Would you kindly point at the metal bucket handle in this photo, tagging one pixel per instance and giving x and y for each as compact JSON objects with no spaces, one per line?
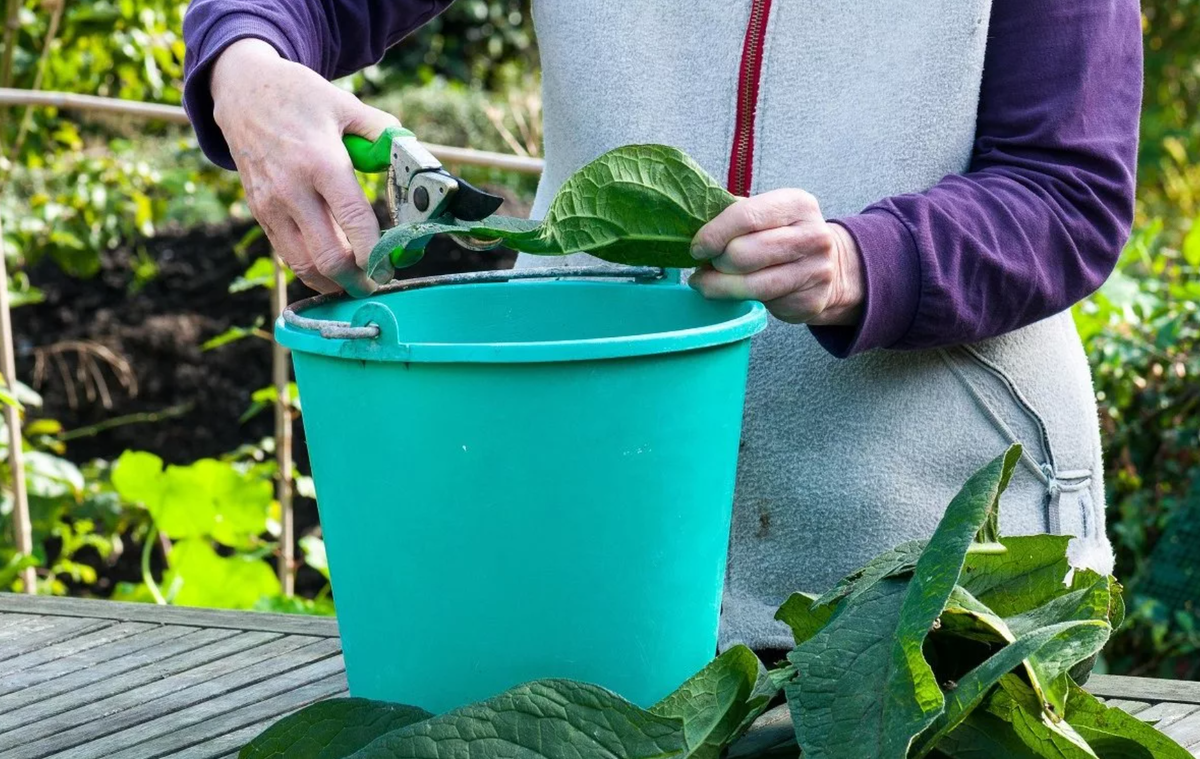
{"x":366,"y":324}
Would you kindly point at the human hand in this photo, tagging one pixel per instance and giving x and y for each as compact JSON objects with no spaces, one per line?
{"x":777,"y":248}
{"x":284,"y":125}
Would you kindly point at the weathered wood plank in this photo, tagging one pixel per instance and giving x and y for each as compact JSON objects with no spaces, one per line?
{"x":1145,"y":689}
{"x":35,"y":624}
{"x":227,"y":745}
{"x":292,"y":624}
{"x":64,"y":628}
{"x":17,"y":669}
{"x":155,"y":645}
{"x":1129,"y":707}
{"x":9,"y":620}
{"x":1167,"y":713}
{"x":172,"y":732}
{"x":1186,"y":732}
{"x":773,"y":729}
{"x":212,"y":681}
{"x":80,"y":705}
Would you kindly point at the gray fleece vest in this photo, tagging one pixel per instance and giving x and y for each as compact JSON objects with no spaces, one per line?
{"x":840,"y":459}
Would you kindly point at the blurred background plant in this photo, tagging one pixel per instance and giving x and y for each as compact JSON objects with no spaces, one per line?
{"x":189,"y":512}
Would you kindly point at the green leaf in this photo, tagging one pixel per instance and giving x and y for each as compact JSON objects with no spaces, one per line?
{"x":331,"y":729}
{"x":719,"y":702}
{"x":1043,"y":734}
{"x":635,"y":205}
{"x":314,"y":554}
{"x":547,"y":719}
{"x":48,"y":476}
{"x":206,"y":498}
{"x":897,"y":561}
{"x":801,"y":613}
{"x":1030,"y":573}
{"x":232,"y":335}
{"x":203,"y":578}
{"x":984,"y":736}
{"x":1114,"y":734}
{"x":16,"y":564}
{"x":1055,"y":645}
{"x":261,"y":273}
{"x":1191,"y":244}
{"x":864,"y":688}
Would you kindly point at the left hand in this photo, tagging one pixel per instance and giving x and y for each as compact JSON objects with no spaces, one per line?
{"x":777,"y":248}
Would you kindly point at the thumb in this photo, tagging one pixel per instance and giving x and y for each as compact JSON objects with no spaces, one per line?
{"x":359,"y":118}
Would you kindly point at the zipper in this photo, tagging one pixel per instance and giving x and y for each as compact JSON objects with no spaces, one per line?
{"x":741,"y":157}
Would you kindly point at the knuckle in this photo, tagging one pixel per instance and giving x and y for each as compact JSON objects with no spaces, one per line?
{"x":333,"y":261}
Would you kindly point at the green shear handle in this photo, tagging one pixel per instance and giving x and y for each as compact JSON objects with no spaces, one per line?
{"x":373,"y":157}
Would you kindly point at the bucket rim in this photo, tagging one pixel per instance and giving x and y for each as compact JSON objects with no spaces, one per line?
{"x":372,"y":333}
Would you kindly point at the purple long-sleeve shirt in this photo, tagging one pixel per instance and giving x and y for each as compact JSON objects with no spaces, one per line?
{"x":1035,"y":225}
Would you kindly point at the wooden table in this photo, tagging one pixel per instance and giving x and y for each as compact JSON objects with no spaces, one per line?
{"x":84,"y":679}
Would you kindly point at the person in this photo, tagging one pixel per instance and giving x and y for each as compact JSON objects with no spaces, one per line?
{"x":926,"y":188}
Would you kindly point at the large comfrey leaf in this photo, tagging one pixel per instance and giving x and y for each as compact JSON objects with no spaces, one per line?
{"x":1052,"y":646}
{"x":332,"y":729}
{"x":1042,"y":733}
{"x":718,"y":703}
{"x":894,"y":562}
{"x":546,"y":719}
{"x":637,"y":205}
{"x":1046,"y":665}
{"x":983,"y":736}
{"x":1029,"y":573}
{"x":1113,"y":734}
{"x":864,"y":688}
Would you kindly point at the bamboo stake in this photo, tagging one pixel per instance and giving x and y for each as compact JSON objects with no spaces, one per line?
{"x":175,"y":115}
{"x":56,"y":15}
{"x":11,"y":25}
{"x":283,"y":440}
{"x":12,"y":417}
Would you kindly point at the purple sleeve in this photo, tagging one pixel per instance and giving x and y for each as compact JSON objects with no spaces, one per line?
{"x":332,"y":37}
{"x":1039,"y":220}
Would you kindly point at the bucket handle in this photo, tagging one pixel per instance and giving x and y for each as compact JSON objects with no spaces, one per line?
{"x":357,"y":330}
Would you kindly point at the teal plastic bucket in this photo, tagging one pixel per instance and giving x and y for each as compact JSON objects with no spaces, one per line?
{"x":523,"y":479}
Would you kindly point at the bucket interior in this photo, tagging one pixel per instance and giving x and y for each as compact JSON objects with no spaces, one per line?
{"x":543,"y":311}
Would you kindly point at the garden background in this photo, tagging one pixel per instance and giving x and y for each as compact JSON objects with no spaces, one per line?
{"x":143,"y":303}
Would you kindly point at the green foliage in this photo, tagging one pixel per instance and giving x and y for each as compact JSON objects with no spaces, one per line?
{"x":634,"y":205}
{"x":882,"y":677}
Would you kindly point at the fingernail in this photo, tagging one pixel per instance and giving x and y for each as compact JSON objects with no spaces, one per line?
{"x":698,"y":252}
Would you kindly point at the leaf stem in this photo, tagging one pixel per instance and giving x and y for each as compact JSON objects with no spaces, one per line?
{"x":147,"y":577}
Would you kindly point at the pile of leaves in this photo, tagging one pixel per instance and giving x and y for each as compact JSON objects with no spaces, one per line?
{"x":964,"y":645}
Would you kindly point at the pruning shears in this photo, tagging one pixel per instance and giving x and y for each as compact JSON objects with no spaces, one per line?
{"x":418,"y":188}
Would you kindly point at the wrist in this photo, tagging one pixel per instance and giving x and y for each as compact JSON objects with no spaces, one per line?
{"x":235,"y":62}
{"x":849,"y":285}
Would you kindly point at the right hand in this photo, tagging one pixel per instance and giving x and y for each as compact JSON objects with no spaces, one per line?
{"x":284,"y":125}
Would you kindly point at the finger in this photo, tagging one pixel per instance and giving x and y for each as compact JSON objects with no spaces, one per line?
{"x":772,"y":247}
{"x":287,"y":241}
{"x":798,"y":279}
{"x":777,"y":208}
{"x":359,"y":118}
{"x":335,"y":182}
{"x":330,"y":250}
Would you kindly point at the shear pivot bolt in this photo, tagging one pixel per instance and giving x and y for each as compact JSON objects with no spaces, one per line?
{"x":421,"y":199}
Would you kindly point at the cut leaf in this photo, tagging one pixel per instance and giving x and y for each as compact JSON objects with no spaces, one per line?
{"x":864,"y":688}
{"x":801,"y":614}
{"x":1017,"y":705}
{"x":332,"y":729}
{"x":984,"y":736}
{"x":717,"y":704}
{"x":547,"y":719}
{"x":898,"y":561}
{"x":1114,"y":734}
{"x":1049,"y":646}
{"x":1030,"y":573}
{"x":635,"y":205}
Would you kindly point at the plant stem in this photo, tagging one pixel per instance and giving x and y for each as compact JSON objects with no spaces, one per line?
{"x":22,"y":526}
{"x":147,"y":577}
{"x":283,"y":441}
{"x":11,"y":24}
{"x":117,"y":421}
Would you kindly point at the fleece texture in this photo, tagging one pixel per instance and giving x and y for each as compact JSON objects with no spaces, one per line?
{"x":841,"y":458}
